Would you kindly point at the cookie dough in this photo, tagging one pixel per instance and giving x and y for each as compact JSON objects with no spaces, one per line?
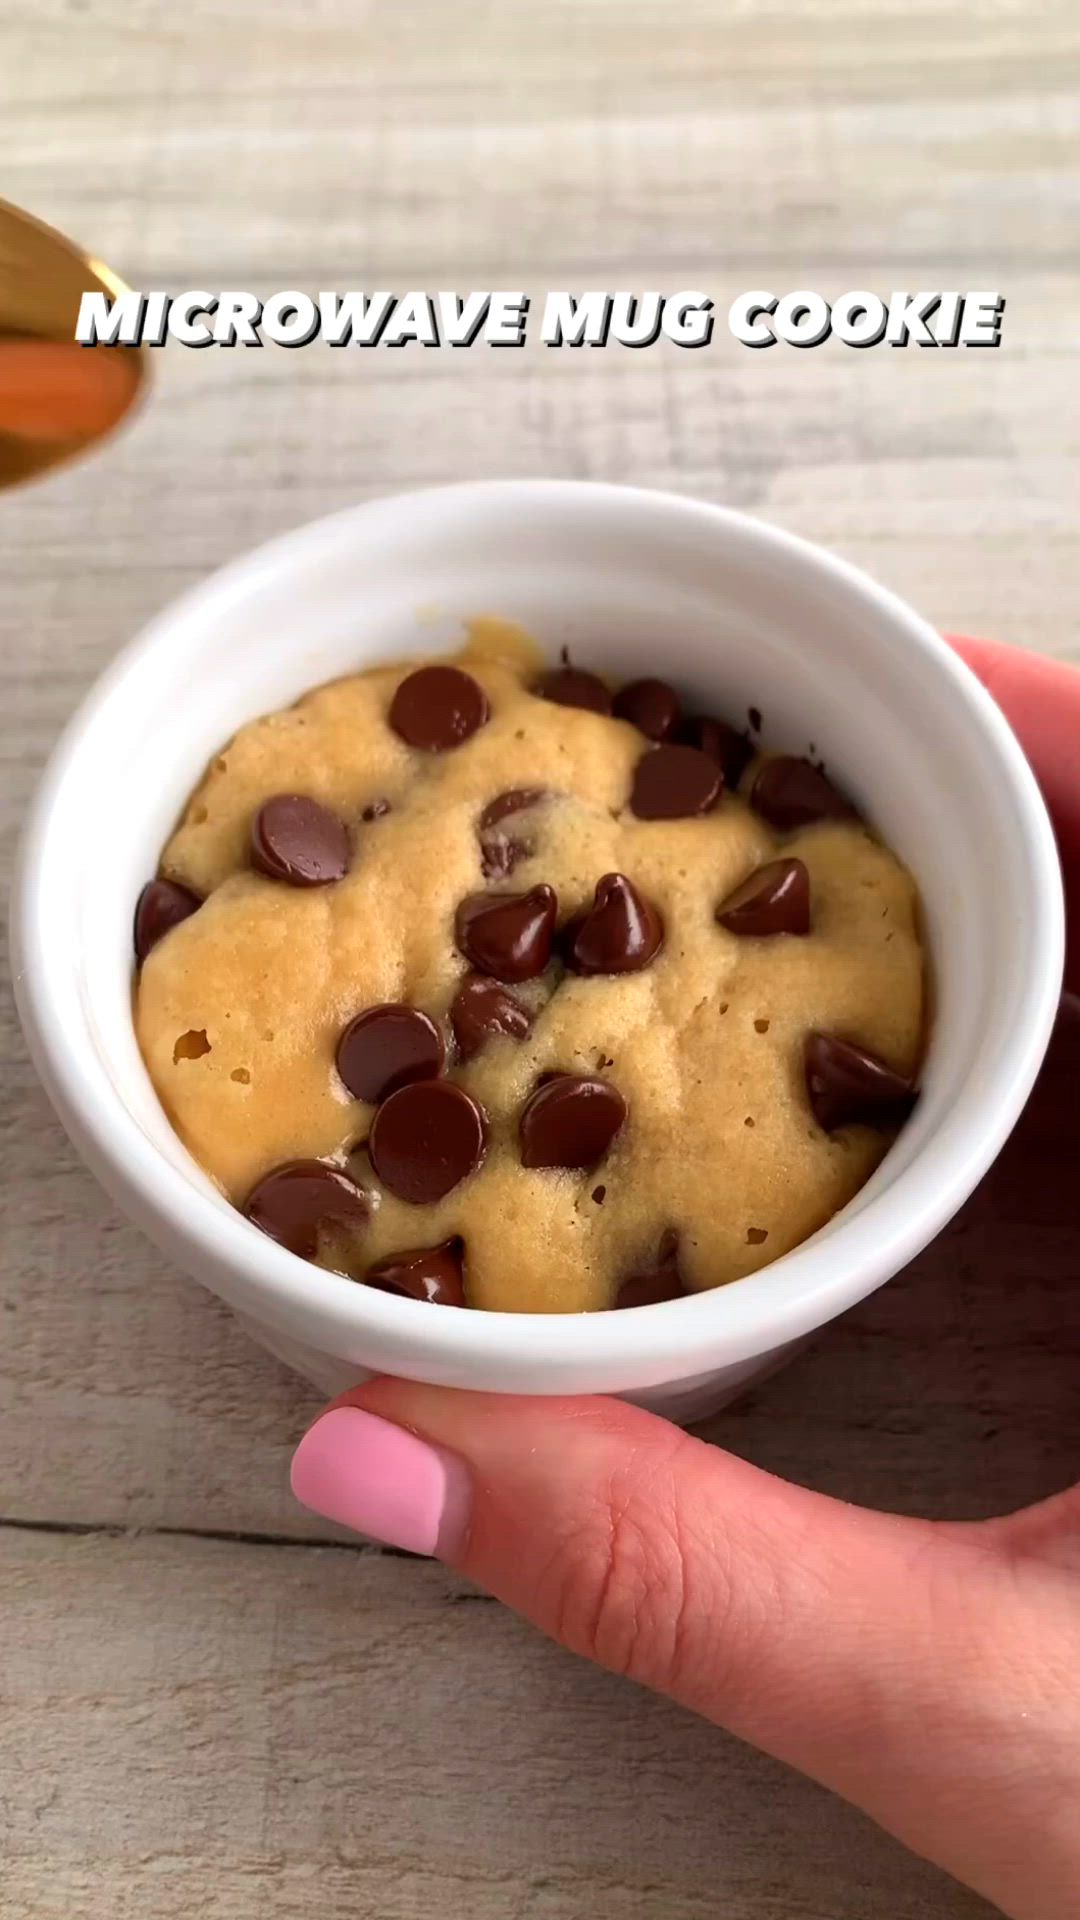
{"x":577,"y":1001}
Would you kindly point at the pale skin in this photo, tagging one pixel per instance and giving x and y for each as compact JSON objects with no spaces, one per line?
{"x":927,"y":1671}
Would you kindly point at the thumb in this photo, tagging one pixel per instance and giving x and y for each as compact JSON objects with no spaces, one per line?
{"x":865,"y":1649}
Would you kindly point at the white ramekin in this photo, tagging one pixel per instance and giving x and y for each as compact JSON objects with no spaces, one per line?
{"x":738,"y":614}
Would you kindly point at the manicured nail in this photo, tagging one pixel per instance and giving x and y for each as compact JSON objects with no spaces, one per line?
{"x":382,"y":1481}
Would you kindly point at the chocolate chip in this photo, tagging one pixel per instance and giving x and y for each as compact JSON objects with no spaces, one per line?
{"x":621,"y":932}
{"x":507,"y":935}
{"x":514,"y":800}
{"x":376,"y":810}
{"x":661,"y":1281}
{"x":480,"y":1011}
{"x":161,"y":906}
{"x":570,"y":1121}
{"x":671,"y":783}
{"x":723,"y":743}
{"x":423,"y":1273}
{"x":388,"y":1047}
{"x":774,"y":899}
{"x":848,"y":1084}
{"x":297,"y":840}
{"x":436,"y":708}
{"x":425,"y":1139}
{"x":651,"y":706}
{"x":293,"y":1201}
{"x":790,"y":793}
{"x":500,"y":852}
{"x":572,"y":687}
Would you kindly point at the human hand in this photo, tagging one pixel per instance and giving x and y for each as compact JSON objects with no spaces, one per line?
{"x":925,"y":1670}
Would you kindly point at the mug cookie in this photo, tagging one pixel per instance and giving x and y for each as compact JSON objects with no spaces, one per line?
{"x":485,"y":984}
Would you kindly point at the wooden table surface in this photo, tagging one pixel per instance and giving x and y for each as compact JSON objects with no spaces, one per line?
{"x":210,"y":1704}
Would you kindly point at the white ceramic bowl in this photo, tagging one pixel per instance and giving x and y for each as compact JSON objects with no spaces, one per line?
{"x":735,"y":612}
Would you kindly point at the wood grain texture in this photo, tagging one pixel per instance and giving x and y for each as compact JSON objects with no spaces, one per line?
{"x":261,"y":1722}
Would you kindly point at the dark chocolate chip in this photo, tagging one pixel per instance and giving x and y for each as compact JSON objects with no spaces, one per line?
{"x":514,"y":800}
{"x":500,"y":852}
{"x":388,"y":1047}
{"x":425,"y":1139}
{"x":621,"y":932}
{"x":481,"y":1010}
{"x":573,"y":687}
{"x":293,"y":1201}
{"x":651,"y":706}
{"x":436,"y":708}
{"x":295,"y":839}
{"x":376,"y":810}
{"x":723,"y":743}
{"x":423,"y":1273}
{"x":774,"y":899}
{"x":847,"y":1084}
{"x":570,"y":1121}
{"x":671,"y":783}
{"x":161,"y":906}
{"x":507,"y":935}
{"x":790,"y":793}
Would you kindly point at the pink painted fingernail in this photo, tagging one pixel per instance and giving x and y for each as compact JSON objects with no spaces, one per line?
{"x":382,"y":1481}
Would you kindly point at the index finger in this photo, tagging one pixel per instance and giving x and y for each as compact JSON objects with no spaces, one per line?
{"x":1040,"y":699}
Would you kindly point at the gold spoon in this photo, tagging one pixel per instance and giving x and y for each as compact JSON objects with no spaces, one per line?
{"x":56,"y":398}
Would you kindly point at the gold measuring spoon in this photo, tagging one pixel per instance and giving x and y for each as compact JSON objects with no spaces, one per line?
{"x":57,"y":399}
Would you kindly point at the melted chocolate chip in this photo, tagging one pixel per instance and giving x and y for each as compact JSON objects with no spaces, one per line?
{"x":847,"y":1084}
{"x":514,"y":800}
{"x":481,"y":1010}
{"x":790,"y":793}
{"x":661,"y":1281}
{"x":423,"y":1273}
{"x":436,"y":708}
{"x":507,"y":935}
{"x":388,"y":1047}
{"x":500,"y":852}
{"x":573,"y":687}
{"x":425,"y":1139}
{"x":621,"y":932}
{"x":648,"y":1289}
{"x":161,"y":906}
{"x":723,"y":743}
{"x":297,"y":840}
{"x":293,"y":1201}
{"x":651,"y":706}
{"x":570,"y":1121}
{"x":671,"y":783}
{"x":775,"y":899}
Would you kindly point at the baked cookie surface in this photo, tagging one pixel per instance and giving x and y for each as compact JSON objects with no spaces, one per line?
{"x":249,"y":1009}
